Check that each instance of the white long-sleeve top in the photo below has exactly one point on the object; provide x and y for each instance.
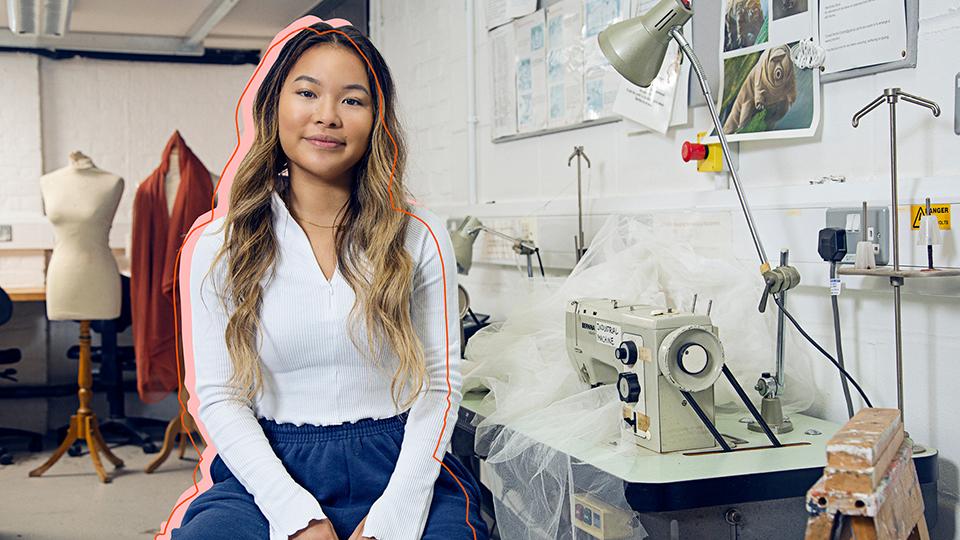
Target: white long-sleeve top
(313, 373)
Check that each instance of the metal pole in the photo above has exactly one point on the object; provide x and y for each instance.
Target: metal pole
(930, 246)
(579, 200)
(896, 281)
(781, 383)
(578, 241)
(892, 100)
(677, 34)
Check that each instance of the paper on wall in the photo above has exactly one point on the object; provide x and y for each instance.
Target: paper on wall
(600, 81)
(665, 102)
(564, 63)
(763, 94)
(531, 72)
(865, 33)
(499, 12)
(503, 59)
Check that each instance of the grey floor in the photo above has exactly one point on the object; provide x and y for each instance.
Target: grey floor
(70, 502)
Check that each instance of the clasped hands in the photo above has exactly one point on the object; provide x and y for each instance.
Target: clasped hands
(322, 529)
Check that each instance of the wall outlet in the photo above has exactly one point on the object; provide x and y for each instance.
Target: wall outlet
(6, 233)
(878, 230)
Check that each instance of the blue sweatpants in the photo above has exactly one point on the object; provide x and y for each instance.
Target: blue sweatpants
(346, 467)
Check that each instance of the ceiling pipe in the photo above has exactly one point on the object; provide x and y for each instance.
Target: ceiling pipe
(22, 16)
(56, 17)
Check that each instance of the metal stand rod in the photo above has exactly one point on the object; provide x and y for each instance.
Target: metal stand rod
(897, 282)
(930, 246)
(781, 383)
(706, 421)
(753, 410)
(891, 96)
(578, 242)
(677, 34)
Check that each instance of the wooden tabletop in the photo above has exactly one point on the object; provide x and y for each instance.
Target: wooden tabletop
(27, 294)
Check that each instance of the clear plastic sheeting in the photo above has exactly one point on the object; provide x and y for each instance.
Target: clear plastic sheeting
(541, 492)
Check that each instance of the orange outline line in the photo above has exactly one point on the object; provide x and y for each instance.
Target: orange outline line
(176, 270)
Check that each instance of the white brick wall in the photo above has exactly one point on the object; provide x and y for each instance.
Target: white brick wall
(20, 137)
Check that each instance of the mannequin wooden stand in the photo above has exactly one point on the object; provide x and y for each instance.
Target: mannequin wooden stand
(175, 430)
(84, 425)
(869, 488)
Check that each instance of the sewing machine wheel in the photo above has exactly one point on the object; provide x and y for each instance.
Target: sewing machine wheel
(691, 358)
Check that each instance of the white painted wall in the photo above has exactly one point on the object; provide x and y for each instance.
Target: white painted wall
(423, 41)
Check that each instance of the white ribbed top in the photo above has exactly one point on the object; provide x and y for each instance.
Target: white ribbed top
(314, 374)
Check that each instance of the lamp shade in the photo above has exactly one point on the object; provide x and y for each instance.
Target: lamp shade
(462, 240)
(636, 47)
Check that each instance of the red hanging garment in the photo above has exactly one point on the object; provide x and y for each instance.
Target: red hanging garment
(157, 236)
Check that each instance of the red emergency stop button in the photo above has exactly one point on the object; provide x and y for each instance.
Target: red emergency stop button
(686, 3)
(693, 151)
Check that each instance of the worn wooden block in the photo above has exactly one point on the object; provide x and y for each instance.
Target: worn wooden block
(861, 443)
(865, 479)
(870, 477)
(819, 526)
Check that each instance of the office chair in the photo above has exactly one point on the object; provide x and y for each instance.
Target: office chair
(113, 362)
(8, 357)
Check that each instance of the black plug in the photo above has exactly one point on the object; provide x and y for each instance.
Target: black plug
(833, 244)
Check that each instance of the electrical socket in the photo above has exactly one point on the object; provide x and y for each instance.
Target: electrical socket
(6, 233)
(878, 230)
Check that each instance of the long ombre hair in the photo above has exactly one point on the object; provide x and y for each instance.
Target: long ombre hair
(369, 245)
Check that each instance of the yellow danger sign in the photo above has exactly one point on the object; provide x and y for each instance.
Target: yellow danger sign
(942, 211)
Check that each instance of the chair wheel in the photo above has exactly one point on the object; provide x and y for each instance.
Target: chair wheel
(150, 448)
(6, 459)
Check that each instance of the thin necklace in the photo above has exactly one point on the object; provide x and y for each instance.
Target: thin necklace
(315, 224)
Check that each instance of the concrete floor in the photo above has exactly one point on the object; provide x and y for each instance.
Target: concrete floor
(70, 502)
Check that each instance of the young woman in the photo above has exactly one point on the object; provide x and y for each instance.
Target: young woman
(319, 324)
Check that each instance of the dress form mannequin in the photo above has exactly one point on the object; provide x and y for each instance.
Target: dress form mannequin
(172, 179)
(83, 281)
(178, 431)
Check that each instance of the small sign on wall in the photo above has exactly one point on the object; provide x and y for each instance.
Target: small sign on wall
(942, 211)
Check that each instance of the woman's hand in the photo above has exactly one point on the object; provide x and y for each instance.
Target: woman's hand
(356, 533)
(318, 529)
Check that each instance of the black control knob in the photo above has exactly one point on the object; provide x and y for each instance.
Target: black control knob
(626, 353)
(629, 387)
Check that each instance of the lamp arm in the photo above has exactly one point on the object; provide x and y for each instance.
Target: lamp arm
(677, 34)
(522, 242)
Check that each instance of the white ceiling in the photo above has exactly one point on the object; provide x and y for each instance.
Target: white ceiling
(251, 24)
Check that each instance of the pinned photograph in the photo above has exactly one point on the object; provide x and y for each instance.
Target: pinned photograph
(746, 23)
(788, 8)
(766, 92)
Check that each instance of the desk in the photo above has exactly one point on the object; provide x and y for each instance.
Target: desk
(693, 486)
(27, 294)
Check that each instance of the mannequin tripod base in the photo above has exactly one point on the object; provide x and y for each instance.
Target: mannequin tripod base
(175, 435)
(83, 426)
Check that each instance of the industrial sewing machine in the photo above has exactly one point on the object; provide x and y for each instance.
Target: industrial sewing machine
(665, 364)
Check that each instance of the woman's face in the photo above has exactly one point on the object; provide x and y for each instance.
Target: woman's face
(325, 114)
